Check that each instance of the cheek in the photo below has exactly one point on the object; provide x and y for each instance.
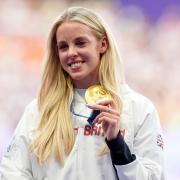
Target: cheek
(89, 55)
(62, 58)
(95, 57)
(62, 62)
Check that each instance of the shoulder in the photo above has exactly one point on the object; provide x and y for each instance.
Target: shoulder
(136, 104)
(29, 118)
(135, 99)
(32, 107)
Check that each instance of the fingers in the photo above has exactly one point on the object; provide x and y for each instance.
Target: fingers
(112, 116)
(104, 116)
(109, 120)
(103, 108)
(109, 113)
(109, 102)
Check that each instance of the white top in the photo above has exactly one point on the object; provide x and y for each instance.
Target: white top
(140, 128)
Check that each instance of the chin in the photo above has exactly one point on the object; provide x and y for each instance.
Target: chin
(77, 77)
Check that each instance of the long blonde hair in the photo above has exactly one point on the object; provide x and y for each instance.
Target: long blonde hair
(55, 134)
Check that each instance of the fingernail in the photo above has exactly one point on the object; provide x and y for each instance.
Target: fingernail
(94, 123)
(88, 105)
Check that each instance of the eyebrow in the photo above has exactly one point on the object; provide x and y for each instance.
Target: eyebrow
(80, 38)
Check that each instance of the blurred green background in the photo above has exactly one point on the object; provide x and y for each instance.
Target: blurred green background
(148, 35)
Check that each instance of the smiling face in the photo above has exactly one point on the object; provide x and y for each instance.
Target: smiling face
(79, 52)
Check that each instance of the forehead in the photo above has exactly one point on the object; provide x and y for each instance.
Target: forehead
(72, 29)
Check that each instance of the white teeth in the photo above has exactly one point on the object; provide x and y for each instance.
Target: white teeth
(76, 64)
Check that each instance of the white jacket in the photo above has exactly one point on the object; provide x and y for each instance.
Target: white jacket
(140, 128)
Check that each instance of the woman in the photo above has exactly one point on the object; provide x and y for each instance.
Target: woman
(62, 136)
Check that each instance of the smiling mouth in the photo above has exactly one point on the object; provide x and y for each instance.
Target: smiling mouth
(76, 64)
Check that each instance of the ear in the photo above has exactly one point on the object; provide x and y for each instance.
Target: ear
(103, 45)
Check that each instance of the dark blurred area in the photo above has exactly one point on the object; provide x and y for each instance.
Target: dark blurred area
(148, 35)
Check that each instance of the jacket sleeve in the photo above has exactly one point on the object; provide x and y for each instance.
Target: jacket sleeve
(15, 164)
(147, 146)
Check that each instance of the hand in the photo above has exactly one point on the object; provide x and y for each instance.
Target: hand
(109, 118)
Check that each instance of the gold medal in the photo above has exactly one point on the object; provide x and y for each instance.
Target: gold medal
(96, 93)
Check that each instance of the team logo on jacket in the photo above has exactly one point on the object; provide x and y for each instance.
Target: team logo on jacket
(95, 131)
(160, 141)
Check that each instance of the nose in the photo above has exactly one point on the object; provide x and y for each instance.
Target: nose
(72, 52)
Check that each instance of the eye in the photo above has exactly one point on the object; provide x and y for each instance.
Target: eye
(62, 47)
(81, 43)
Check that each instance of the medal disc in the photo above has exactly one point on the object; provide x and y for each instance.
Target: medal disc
(96, 93)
